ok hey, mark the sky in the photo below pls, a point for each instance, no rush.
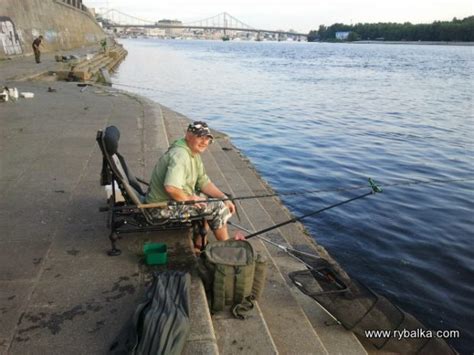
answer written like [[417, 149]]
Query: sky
[[300, 15]]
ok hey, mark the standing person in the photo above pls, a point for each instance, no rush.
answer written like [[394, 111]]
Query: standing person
[[103, 44], [179, 175], [36, 44]]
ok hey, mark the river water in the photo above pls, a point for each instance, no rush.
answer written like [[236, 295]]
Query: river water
[[327, 116]]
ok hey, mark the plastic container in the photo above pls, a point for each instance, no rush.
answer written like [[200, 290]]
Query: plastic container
[[4, 95], [155, 253], [13, 92]]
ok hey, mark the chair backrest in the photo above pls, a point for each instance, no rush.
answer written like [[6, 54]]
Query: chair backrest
[[115, 168]]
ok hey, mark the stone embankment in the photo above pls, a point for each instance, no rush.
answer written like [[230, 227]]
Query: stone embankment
[[60, 292], [89, 67], [64, 24], [83, 64]]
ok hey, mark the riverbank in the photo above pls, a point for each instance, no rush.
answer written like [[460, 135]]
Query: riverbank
[[60, 292], [428, 43]]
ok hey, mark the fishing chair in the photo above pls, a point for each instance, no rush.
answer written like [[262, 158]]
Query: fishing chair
[[128, 213]]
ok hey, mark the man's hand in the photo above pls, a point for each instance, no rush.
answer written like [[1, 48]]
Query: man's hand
[[198, 200], [239, 236], [211, 190], [179, 195], [230, 205]]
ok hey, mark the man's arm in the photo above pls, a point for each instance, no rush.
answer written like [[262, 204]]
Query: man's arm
[[212, 190], [177, 194]]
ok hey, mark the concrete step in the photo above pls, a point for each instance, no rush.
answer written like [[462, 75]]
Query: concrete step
[[233, 336], [98, 57], [289, 328], [334, 338], [263, 213], [202, 338], [86, 69]]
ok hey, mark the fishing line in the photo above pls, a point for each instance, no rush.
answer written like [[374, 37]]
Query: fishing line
[[142, 88], [428, 182], [308, 192], [349, 188], [303, 192]]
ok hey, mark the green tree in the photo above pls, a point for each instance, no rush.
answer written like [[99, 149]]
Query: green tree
[[455, 30], [353, 36]]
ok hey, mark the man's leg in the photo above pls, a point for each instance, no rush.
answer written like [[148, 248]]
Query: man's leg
[[218, 220], [215, 213], [37, 56], [221, 233]]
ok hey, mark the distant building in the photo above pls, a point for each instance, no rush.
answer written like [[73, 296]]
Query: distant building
[[156, 32], [172, 32], [342, 35]]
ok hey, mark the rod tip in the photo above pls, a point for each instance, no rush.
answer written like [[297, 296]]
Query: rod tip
[[374, 186]]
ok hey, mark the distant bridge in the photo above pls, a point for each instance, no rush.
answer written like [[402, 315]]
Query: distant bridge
[[223, 22]]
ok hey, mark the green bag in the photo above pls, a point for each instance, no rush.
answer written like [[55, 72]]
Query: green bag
[[233, 275]]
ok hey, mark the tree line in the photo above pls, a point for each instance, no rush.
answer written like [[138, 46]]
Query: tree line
[[455, 30]]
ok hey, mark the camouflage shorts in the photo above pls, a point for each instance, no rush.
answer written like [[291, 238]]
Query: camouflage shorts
[[216, 213]]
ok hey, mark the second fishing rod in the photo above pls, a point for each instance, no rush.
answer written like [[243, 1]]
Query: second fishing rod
[[229, 197], [374, 189]]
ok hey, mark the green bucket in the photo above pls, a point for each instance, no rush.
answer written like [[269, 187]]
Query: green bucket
[[155, 253]]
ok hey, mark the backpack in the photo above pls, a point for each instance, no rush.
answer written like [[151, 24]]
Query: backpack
[[233, 275]]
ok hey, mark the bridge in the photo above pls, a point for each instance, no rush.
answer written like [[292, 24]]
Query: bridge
[[115, 19]]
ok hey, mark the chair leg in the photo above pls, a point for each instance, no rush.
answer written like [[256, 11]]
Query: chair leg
[[113, 240], [199, 234], [113, 236], [203, 232]]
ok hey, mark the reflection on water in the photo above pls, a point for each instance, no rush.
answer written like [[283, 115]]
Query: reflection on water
[[322, 116]]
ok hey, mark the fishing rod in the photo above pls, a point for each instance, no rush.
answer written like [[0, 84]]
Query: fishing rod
[[302, 192], [141, 88], [374, 189], [287, 250]]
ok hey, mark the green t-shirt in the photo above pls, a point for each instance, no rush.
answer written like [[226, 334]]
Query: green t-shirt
[[178, 167]]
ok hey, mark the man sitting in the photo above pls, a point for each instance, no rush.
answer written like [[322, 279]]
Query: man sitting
[[179, 175]]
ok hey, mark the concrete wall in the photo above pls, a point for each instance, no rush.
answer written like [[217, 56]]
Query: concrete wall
[[63, 26]]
